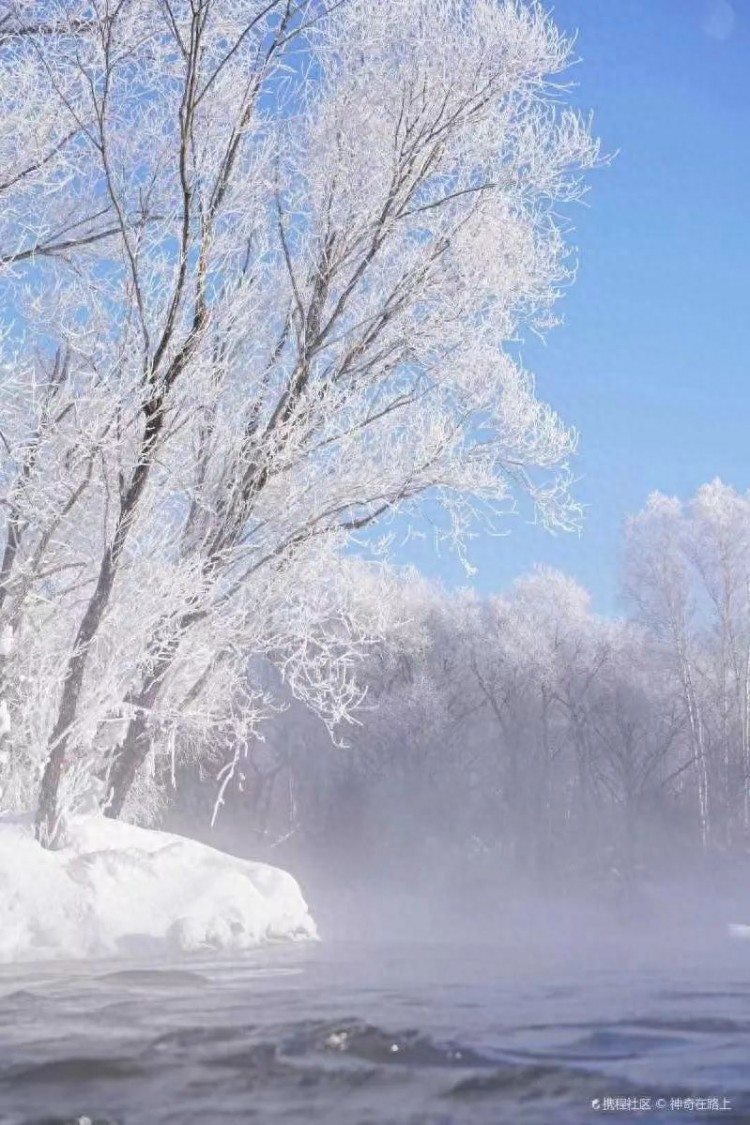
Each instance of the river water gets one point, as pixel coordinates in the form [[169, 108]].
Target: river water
[[424, 1034]]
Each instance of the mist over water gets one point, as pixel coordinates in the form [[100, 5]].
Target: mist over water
[[537, 1021], [451, 986]]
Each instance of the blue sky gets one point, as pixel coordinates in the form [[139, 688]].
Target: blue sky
[[652, 362]]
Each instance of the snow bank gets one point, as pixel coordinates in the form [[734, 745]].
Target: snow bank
[[118, 889]]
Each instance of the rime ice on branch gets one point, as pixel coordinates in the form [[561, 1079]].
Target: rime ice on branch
[[263, 261]]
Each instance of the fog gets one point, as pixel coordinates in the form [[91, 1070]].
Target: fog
[[523, 770]]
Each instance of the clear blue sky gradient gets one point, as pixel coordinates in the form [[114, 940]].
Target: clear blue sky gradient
[[651, 364]]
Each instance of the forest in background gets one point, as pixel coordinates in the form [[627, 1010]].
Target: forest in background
[[524, 736]]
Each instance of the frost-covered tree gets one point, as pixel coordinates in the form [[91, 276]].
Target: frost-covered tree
[[688, 575], [520, 734], [263, 260], [525, 734], [535, 676]]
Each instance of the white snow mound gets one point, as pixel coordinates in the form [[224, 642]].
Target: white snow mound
[[118, 889]]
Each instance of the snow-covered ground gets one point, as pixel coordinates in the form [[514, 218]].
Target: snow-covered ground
[[119, 889]]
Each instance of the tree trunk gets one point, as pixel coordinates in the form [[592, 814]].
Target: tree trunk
[[136, 744], [48, 813], [129, 759]]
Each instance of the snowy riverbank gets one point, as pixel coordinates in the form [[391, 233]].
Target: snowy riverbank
[[119, 889]]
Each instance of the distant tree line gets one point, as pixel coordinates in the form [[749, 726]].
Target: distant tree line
[[526, 729]]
